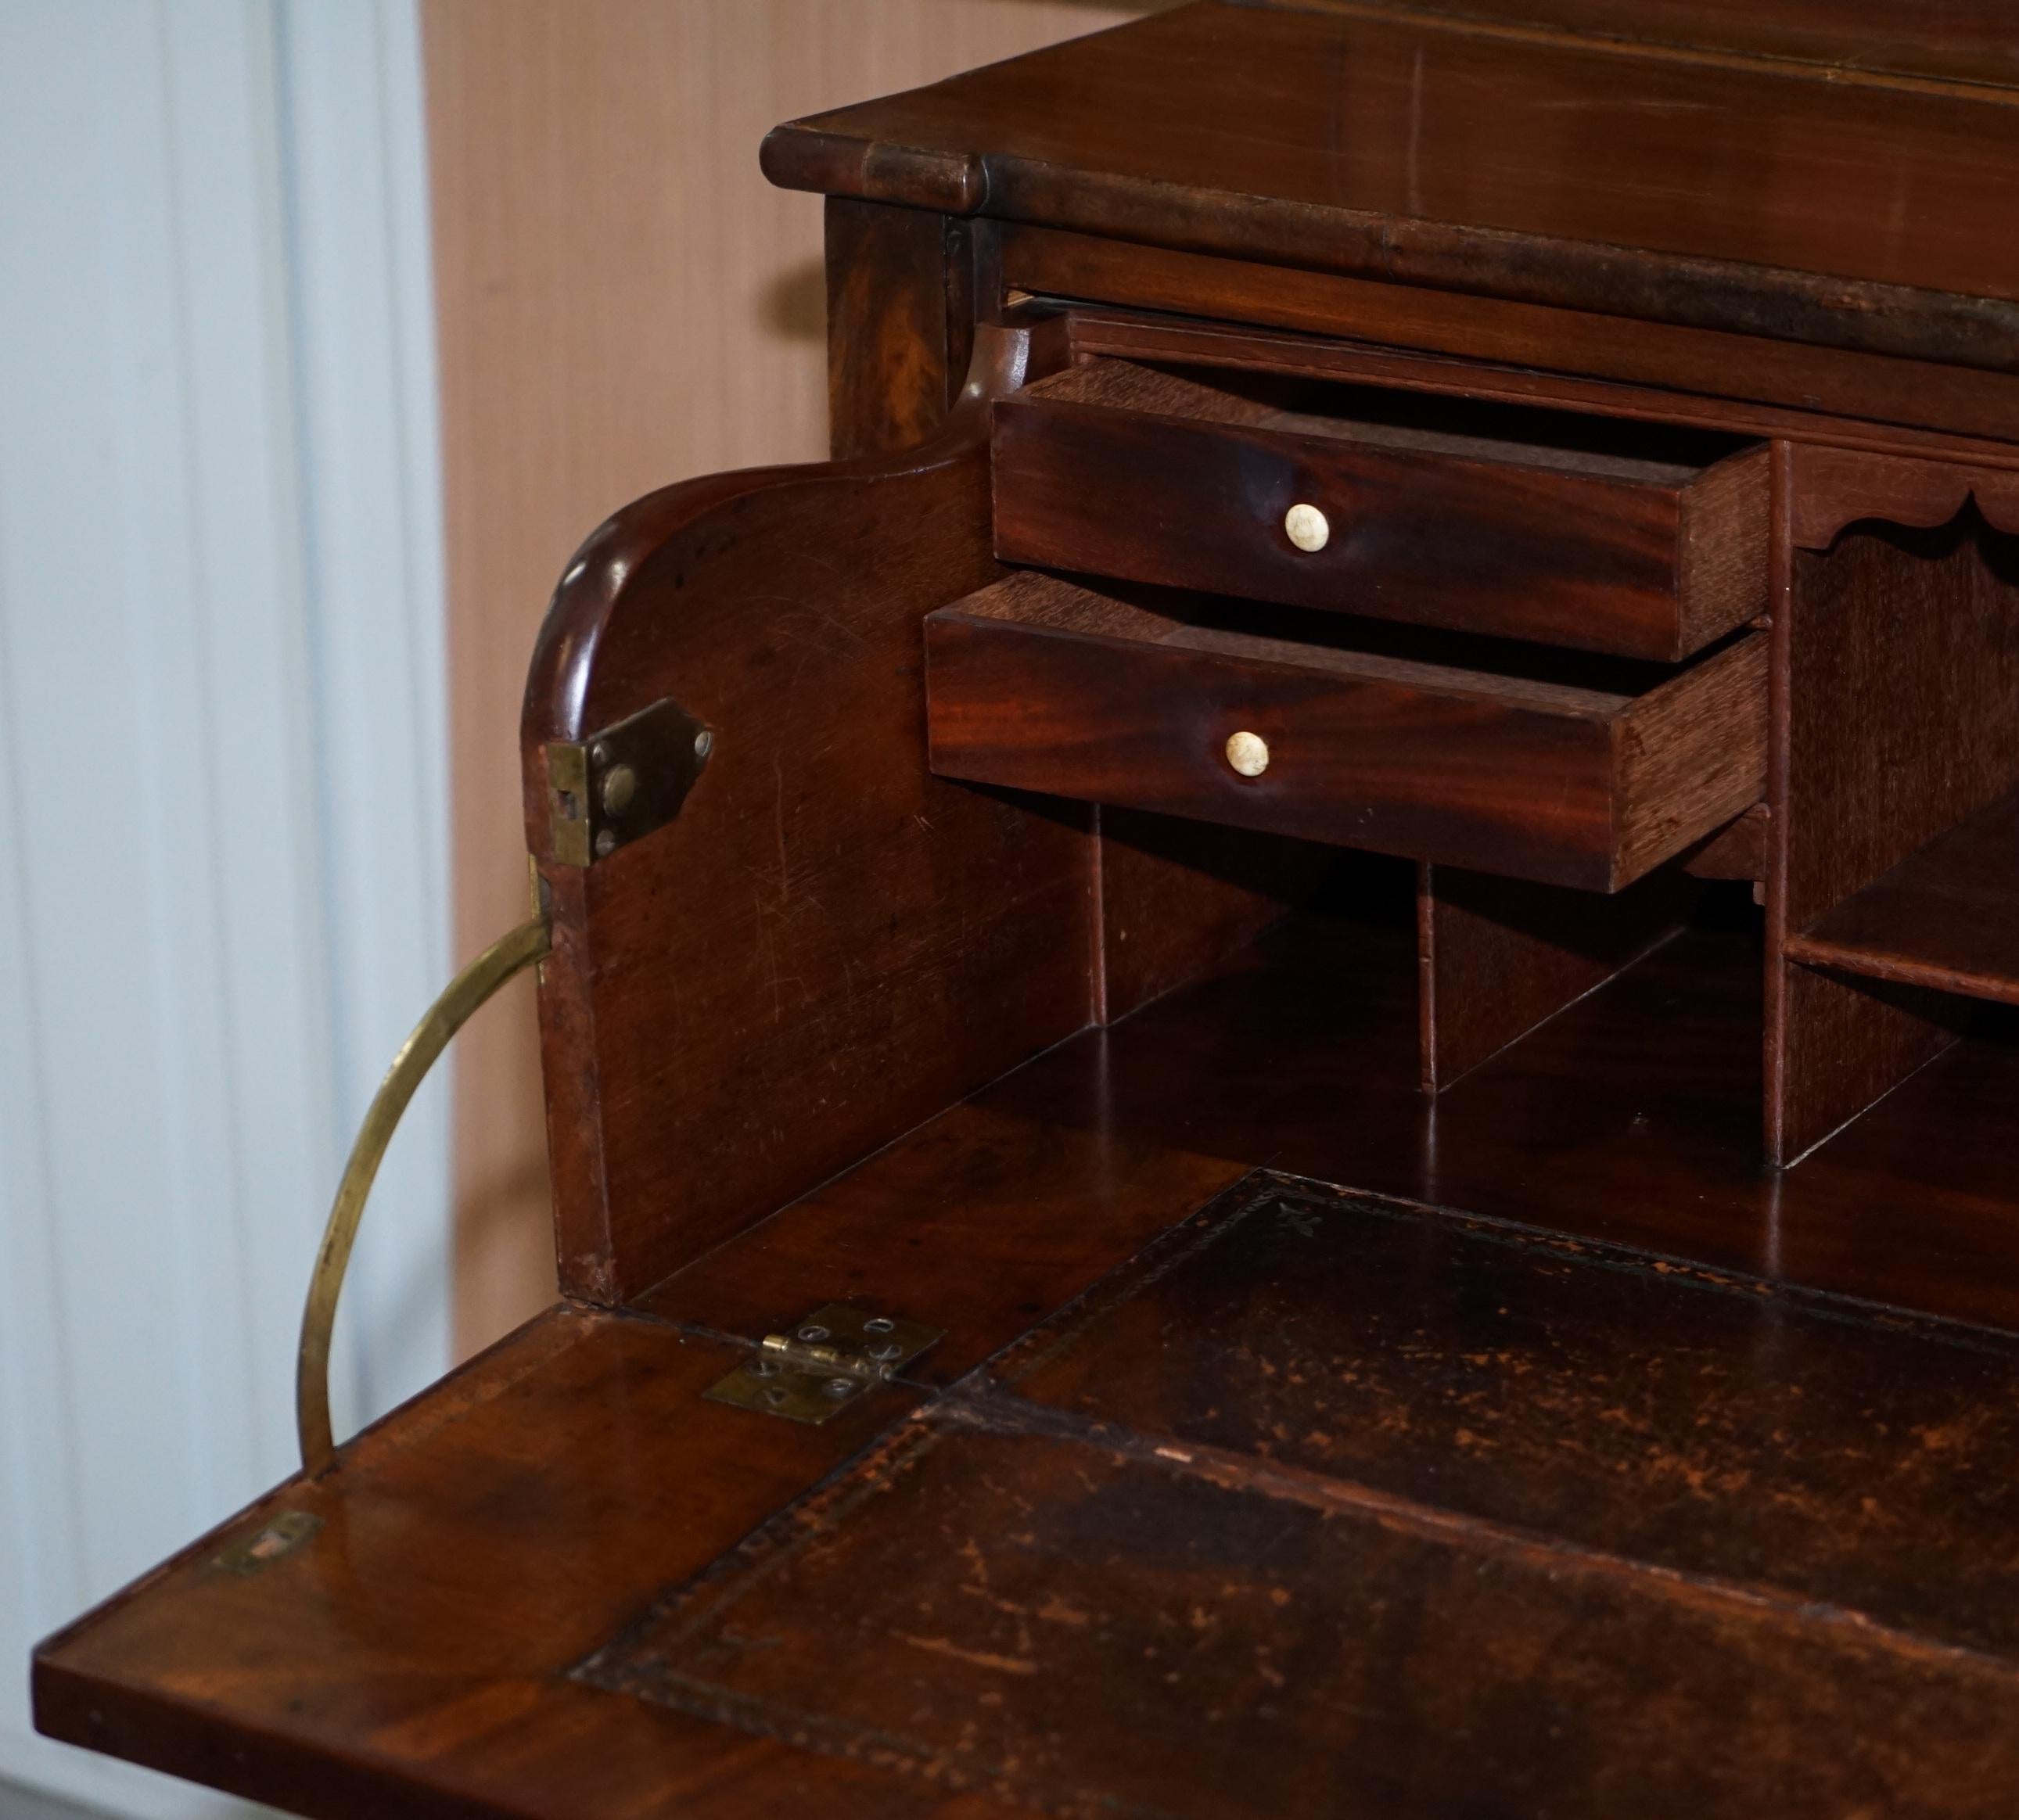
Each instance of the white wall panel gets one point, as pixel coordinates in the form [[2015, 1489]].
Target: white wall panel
[[221, 835]]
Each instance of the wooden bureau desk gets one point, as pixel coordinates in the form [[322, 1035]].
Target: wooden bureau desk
[[1278, 1042]]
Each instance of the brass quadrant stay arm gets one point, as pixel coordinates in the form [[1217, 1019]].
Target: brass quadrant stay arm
[[524, 947]]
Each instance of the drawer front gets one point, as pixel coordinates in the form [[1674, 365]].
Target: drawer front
[[1103, 702], [1602, 559]]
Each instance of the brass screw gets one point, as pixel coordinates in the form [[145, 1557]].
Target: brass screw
[[620, 786]]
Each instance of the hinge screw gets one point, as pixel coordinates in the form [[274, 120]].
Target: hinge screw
[[620, 784]]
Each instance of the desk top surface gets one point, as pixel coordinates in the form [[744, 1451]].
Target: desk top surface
[[1802, 178], [1479, 1548]]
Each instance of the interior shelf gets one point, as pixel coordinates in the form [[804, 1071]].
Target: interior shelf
[[1947, 918]]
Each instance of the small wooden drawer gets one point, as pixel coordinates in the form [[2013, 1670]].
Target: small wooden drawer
[[1643, 540], [1538, 764]]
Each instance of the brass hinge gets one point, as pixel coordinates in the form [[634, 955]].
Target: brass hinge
[[608, 790], [824, 1364]]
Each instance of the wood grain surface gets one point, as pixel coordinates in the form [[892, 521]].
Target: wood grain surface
[[731, 1013], [1902, 694], [1865, 392], [409, 1660], [1946, 917], [1569, 769], [1848, 219], [1591, 533], [622, 302], [1967, 41], [1496, 956]]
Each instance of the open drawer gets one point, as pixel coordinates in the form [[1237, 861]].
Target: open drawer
[[1641, 540], [1538, 764]]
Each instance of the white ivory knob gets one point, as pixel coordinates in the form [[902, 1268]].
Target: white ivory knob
[[1306, 527], [1248, 753]]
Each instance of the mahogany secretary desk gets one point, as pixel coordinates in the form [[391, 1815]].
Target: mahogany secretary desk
[[1277, 1041]]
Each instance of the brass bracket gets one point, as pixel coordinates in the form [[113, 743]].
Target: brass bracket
[[825, 1365], [524, 947], [620, 784]]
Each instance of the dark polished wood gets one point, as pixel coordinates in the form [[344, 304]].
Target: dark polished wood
[[1177, 897], [1738, 851], [1612, 369], [1901, 720], [1848, 41], [1847, 218], [1631, 1117], [413, 1657], [896, 361], [406, 1660], [1866, 400], [1497, 957], [782, 975], [1567, 770], [1522, 1328], [1599, 536], [1834, 488], [1946, 917]]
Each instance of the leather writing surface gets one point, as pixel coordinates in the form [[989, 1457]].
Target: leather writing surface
[[1334, 1504]]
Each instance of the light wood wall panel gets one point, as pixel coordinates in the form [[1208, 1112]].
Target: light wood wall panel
[[623, 302]]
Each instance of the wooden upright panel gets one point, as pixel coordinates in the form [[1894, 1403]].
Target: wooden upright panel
[[1902, 693], [1495, 957], [829, 944], [623, 302], [894, 283]]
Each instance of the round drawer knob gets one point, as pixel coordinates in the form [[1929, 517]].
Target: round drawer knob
[[1306, 527], [1248, 753]]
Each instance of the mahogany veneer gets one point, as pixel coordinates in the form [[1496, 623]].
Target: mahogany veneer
[[1946, 918], [1520, 167], [1573, 531], [414, 1657], [1532, 1334], [1562, 776]]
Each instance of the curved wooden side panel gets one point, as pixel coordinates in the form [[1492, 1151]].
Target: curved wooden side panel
[[829, 944]]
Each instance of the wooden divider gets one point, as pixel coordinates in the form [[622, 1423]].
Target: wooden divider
[[1896, 718]]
